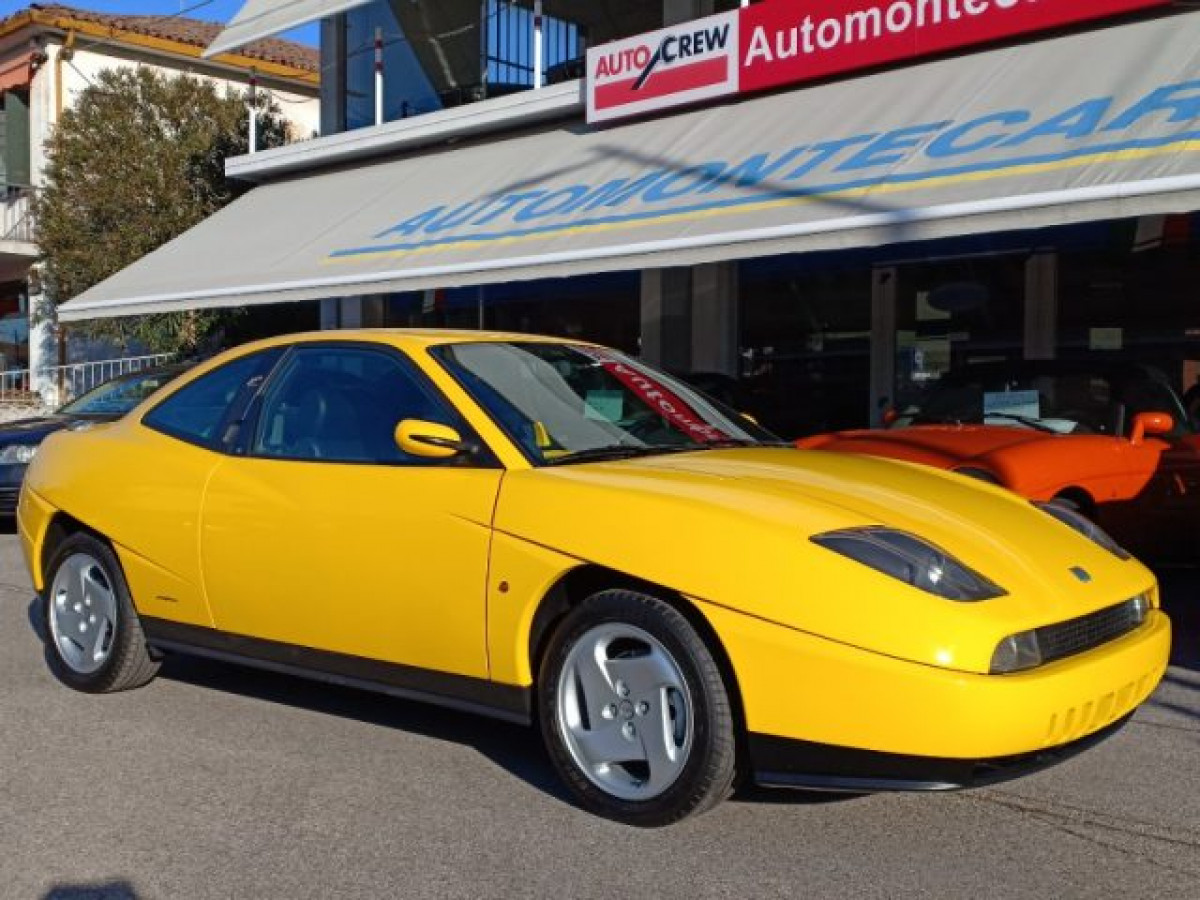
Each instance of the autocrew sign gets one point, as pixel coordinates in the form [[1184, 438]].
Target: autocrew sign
[[777, 43]]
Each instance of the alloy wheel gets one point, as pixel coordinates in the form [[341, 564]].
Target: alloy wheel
[[624, 711], [83, 614]]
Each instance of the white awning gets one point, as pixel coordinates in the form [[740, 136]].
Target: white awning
[[264, 18], [1098, 125]]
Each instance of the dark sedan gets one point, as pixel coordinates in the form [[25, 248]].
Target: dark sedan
[[19, 441]]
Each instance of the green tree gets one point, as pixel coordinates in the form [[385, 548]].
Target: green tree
[[137, 161]]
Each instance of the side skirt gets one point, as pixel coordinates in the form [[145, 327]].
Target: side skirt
[[459, 692]]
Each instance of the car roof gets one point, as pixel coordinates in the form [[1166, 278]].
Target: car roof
[[409, 338], [169, 369]]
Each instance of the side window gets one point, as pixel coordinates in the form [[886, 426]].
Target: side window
[[195, 413], [342, 404]]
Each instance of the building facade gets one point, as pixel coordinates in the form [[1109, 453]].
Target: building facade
[[822, 250], [49, 54]]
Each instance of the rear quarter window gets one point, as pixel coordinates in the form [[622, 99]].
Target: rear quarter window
[[195, 412]]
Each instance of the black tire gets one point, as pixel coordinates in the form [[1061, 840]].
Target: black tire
[[709, 767], [1077, 503], [128, 664]]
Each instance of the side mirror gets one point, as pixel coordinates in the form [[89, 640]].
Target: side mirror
[[890, 417], [1150, 424], [429, 440]]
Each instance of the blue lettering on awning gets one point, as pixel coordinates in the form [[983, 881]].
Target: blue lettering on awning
[[1086, 129]]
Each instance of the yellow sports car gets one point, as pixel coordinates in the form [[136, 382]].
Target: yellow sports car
[[547, 531]]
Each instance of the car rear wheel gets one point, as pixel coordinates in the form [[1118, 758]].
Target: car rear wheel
[[94, 639], [635, 713]]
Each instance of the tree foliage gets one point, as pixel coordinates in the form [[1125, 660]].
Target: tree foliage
[[137, 161]]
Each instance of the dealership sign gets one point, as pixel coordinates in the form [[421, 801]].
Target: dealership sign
[[783, 42]]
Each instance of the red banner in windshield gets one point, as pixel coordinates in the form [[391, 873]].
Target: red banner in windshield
[[659, 398]]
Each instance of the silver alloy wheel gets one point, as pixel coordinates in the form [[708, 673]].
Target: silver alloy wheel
[[624, 712], [83, 614]]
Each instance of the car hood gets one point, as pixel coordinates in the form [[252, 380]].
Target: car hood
[[35, 429], [944, 446], [733, 528]]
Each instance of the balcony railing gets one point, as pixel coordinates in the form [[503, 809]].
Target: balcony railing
[[16, 214], [52, 387]]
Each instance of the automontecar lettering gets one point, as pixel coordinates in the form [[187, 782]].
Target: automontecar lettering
[[814, 34], [1017, 131]]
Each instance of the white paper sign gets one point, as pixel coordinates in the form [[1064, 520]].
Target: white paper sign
[[1026, 404]]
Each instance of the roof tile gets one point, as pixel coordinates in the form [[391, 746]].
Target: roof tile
[[192, 32]]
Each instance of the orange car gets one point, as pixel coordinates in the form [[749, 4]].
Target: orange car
[[1112, 440]]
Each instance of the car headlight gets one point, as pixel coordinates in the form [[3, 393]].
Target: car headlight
[[17, 454], [1016, 653], [1085, 526], [907, 558], [1030, 649]]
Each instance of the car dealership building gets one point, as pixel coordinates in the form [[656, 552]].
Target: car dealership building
[[823, 205]]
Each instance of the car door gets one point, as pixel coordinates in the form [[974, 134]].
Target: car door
[[156, 481], [320, 533]]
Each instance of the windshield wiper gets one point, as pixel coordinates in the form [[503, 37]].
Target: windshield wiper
[[629, 451], [1024, 420], [616, 451], [727, 443]]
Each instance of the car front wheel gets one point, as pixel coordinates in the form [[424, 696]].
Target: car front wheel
[[94, 639], [635, 713]]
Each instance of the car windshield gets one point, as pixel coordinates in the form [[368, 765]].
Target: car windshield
[[571, 403], [116, 397], [1063, 401]]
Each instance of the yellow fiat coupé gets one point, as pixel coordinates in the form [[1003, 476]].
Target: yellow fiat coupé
[[550, 532]]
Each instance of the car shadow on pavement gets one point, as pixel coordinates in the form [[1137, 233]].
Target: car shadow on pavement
[[514, 748], [113, 890]]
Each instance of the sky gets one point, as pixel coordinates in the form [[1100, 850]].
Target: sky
[[211, 10]]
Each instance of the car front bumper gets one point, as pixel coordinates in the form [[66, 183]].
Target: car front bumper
[[830, 716], [782, 763]]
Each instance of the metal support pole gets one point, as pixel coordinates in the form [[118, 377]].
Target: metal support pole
[[378, 76], [539, 62], [253, 111]]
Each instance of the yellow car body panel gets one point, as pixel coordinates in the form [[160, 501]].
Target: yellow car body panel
[[522, 575], [143, 491], [383, 563], [34, 516], [445, 569], [800, 686], [732, 527]]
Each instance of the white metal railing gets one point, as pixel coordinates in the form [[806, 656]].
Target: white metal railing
[[56, 385], [16, 214]]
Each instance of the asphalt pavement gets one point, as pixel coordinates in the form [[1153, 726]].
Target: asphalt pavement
[[220, 782]]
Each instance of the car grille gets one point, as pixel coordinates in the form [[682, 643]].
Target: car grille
[[1082, 634], [8, 498]]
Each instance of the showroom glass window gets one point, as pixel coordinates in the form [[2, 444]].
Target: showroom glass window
[[195, 413], [955, 313], [342, 405], [805, 343]]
